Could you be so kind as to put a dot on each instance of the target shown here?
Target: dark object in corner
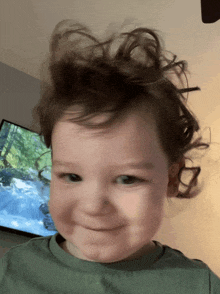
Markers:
(210, 10)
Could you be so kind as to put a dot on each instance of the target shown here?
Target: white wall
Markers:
(192, 226)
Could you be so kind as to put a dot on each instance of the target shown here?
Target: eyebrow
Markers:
(137, 165)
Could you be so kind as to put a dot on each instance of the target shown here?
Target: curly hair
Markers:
(83, 71)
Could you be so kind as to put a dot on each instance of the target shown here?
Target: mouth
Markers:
(103, 230)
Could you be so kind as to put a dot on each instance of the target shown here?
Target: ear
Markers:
(173, 185)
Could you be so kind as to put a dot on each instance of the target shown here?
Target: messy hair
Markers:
(83, 71)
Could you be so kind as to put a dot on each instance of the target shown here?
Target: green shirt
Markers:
(42, 266)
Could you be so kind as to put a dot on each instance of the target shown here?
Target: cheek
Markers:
(55, 192)
(58, 204)
(58, 191)
(61, 210)
(132, 204)
(142, 205)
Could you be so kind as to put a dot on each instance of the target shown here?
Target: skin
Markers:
(78, 200)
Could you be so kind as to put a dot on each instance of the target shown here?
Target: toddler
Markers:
(110, 117)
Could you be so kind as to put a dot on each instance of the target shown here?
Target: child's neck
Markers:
(147, 249)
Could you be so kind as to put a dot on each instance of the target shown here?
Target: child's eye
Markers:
(71, 177)
(127, 179)
(131, 179)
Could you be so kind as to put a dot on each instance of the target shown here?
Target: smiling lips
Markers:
(103, 229)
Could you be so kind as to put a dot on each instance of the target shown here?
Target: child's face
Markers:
(135, 208)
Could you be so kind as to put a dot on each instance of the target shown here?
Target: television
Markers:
(25, 174)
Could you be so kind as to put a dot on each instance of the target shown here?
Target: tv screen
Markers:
(25, 174)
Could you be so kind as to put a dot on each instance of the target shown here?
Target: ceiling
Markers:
(26, 26)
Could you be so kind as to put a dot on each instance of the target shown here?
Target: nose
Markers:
(96, 201)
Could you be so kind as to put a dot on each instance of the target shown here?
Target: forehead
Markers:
(133, 139)
(142, 115)
(134, 125)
